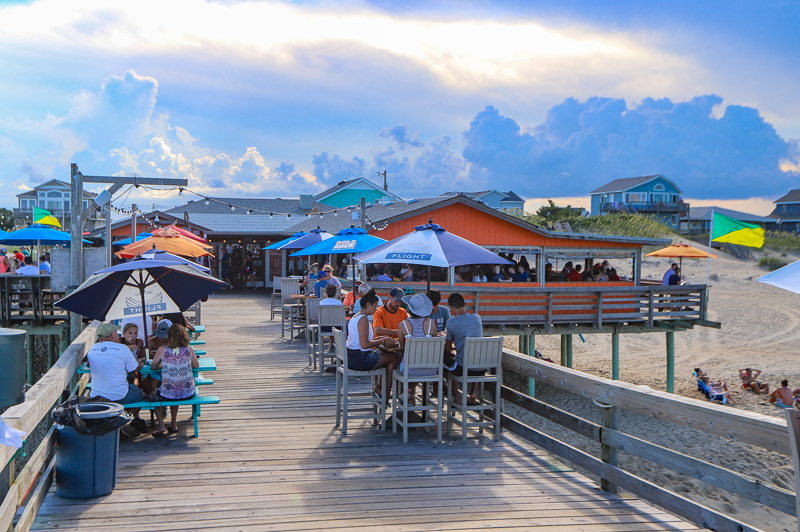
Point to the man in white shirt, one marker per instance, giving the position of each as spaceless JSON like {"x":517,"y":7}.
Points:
{"x":29,"y":268}
{"x":111,"y":361}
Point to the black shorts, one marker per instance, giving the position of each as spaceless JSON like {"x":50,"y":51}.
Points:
{"x":459,"y":372}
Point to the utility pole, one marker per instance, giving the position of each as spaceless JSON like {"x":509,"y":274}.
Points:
{"x":133,"y":223}
{"x":385,"y":184}
{"x":79,"y":215}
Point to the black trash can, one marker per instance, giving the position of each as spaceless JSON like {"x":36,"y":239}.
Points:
{"x":87,"y":443}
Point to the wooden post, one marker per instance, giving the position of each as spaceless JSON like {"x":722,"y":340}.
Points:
{"x":670,"y":360}
{"x":30,"y":343}
{"x":569,"y":349}
{"x":793,"y":423}
{"x":532,"y":352}
{"x":615,"y":356}
{"x":608,"y":454}
{"x":563,"y":351}
{"x":51,"y":350}
{"x":76,"y":244}
{"x":63,"y":343}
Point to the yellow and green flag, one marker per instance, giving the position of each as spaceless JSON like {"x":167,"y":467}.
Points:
{"x":44,"y":217}
{"x":732,"y":231}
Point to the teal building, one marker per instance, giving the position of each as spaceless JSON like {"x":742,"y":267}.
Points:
{"x":350,"y":192}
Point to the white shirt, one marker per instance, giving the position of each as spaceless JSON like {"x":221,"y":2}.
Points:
{"x":330,"y":302}
{"x":110,"y":363}
{"x":353,"y":340}
{"x":28,"y":269}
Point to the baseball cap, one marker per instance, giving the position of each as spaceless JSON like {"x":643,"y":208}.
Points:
{"x":162,"y":329}
{"x":397,"y":294}
{"x":105,"y":330}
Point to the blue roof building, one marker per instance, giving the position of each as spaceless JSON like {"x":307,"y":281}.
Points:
{"x":653,"y":195}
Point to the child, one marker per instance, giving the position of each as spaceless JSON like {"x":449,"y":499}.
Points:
{"x":130,"y":336}
{"x":177,"y":380}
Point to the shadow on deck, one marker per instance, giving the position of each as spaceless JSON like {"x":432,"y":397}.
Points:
{"x":269,"y":458}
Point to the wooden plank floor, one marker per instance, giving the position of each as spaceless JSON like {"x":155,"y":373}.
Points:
{"x":268,"y":458}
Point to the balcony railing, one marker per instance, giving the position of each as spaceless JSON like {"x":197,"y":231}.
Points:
{"x":632,"y":207}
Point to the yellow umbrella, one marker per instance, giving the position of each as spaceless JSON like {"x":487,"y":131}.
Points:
{"x":166,"y":240}
{"x":681,"y":250}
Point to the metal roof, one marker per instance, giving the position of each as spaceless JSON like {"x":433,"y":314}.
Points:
{"x":792,"y":197}
{"x":625,"y":183}
{"x":241,"y":224}
{"x":704,"y":213}
{"x":222,"y":206}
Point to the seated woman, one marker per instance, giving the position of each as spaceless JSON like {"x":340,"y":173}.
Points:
{"x":361,"y":343}
{"x":417,"y":325}
{"x":700,"y":375}
{"x":176,"y":360}
{"x":479,"y":277}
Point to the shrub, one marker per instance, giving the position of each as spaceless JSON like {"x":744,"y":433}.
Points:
{"x":782,"y":241}
{"x":771,"y":263}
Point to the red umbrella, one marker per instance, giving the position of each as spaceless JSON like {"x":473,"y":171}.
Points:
{"x":183,"y":232}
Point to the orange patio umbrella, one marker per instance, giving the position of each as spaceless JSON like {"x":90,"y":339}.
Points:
{"x":169,"y":241}
{"x":183,"y":232}
{"x":681,"y":250}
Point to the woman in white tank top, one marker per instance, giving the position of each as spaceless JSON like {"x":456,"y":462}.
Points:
{"x":361,"y":342}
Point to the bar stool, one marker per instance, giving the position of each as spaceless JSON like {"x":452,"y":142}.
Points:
{"x":367,"y":404}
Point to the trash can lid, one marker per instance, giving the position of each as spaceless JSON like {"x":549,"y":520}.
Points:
{"x":99,"y":410}
{"x":10,"y":332}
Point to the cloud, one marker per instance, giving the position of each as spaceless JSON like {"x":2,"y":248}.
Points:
{"x":582,"y":145}
{"x":402,"y":136}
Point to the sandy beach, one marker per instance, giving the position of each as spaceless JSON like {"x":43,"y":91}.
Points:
{"x":760,"y":329}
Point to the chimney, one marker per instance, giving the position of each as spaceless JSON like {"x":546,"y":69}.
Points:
{"x":306,"y":202}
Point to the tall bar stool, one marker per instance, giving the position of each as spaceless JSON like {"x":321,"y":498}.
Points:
{"x":357,"y":405}
{"x":330,"y":317}
{"x":422,"y":364}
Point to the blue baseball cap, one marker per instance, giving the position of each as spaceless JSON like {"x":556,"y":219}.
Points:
{"x":397,"y":294}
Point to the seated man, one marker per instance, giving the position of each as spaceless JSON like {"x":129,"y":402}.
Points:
{"x":386,"y":276}
{"x":44,"y":266}
{"x":363,"y":288}
{"x":784,"y":396}
{"x":749,"y":378}
{"x":29,"y":268}
{"x":330,"y":299}
{"x":159,"y":338}
{"x":386,"y":320}
{"x":111,"y":361}
{"x":440,"y":314}
{"x":462,"y":325}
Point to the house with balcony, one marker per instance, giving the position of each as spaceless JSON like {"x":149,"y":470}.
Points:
{"x":654,"y":195}
{"x":786,"y":214}
{"x":507,"y":202}
{"x":53,"y":195}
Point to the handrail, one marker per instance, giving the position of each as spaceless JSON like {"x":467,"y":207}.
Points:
{"x":767,"y":432}
{"x":26,"y":416}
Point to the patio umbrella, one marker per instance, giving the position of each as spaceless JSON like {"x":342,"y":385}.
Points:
{"x":316,"y":235}
{"x":279,"y":244}
{"x":170,"y":241}
{"x":787,"y":277}
{"x":347,"y":241}
{"x":183,"y":232}
{"x":126,"y":241}
{"x":139,"y":287}
{"x":430,"y":245}
{"x":160,"y":254}
{"x":681,"y":250}
{"x":37,"y":235}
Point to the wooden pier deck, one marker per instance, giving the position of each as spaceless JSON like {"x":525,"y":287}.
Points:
{"x":268,"y":458}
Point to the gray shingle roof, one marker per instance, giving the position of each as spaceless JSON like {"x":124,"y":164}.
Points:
{"x":704,"y":213}
{"x":792,"y":197}
{"x":267,"y":205}
{"x":624,"y":183}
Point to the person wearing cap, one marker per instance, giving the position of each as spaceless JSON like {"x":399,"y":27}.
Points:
{"x":111,"y":361}
{"x":159,"y":337}
{"x":5,"y":264}
{"x":387,"y":318}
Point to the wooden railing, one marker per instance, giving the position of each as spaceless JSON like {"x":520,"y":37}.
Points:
{"x":587,"y":304}
{"x":40,"y":400}
{"x":732,"y":424}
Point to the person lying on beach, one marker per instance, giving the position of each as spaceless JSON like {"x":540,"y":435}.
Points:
{"x":784,"y":396}
{"x":749,"y":376}
{"x":700,"y":375}
{"x":714,"y":393}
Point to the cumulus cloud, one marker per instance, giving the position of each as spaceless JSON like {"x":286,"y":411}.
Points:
{"x":402,"y":136}
{"x":583,"y":144}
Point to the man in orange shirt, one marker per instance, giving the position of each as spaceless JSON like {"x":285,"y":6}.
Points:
{"x":386,"y":320}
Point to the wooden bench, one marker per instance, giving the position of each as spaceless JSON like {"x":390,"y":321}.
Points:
{"x":196,"y":402}
{"x":197,"y":342}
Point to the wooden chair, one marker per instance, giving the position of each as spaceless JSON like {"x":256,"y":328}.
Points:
{"x":367,"y":404}
{"x":479,"y":353}
{"x":312,"y":329}
{"x":290,"y":308}
{"x":329,"y":316}
{"x":275,"y":300}
{"x":422,"y":363}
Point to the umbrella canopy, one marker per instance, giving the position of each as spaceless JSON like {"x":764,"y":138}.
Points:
{"x":279,"y":244}
{"x":160,"y":254}
{"x":36,"y":234}
{"x":140,"y":287}
{"x":126,"y":241}
{"x":183,"y":232}
{"x":350,"y":240}
{"x":316,"y":235}
{"x":430,"y":245}
{"x":170,"y":241}
{"x":681,"y":250}
{"x":787,"y":277}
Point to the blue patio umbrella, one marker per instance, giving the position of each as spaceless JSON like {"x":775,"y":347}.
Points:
{"x":787,"y":278}
{"x":160,"y":254}
{"x":126,"y":241}
{"x":347,"y":241}
{"x":140,"y":287}
{"x":430,"y":245}
{"x":36,"y":234}
{"x":277,"y":245}
{"x":314,"y":236}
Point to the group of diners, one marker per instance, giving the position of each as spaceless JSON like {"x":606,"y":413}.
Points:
{"x":116,"y":360}
{"x":376,"y":326}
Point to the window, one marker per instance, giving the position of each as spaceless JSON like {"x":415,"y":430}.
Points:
{"x":27,"y":203}
{"x":636,"y":197}
{"x":659,"y":187}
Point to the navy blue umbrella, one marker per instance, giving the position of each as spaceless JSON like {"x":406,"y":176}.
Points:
{"x":140,"y":287}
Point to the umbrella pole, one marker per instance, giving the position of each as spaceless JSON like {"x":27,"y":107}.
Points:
{"x":428,"y":276}
{"x":353,"y":268}
{"x":144,"y":313}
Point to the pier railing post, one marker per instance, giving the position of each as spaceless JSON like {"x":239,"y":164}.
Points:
{"x":615,"y":356}
{"x":670,"y":361}
{"x":608,"y":454}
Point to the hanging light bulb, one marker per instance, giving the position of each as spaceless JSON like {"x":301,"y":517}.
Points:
{"x":233,"y":208}
{"x":320,"y":216}
{"x":288,"y":216}
{"x":335,"y":213}
{"x":207,"y":202}
{"x":270,"y":216}
{"x":249,"y":211}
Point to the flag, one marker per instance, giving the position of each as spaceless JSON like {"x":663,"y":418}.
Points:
{"x":731,"y":231}
{"x":44,"y":217}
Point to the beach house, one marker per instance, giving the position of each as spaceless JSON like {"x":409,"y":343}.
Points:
{"x":350,"y":192}
{"x":53,"y":195}
{"x":698,"y":219}
{"x":508,"y":202}
{"x":786,"y":214}
{"x":651,"y":194}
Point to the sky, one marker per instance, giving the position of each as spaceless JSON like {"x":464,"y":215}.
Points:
{"x":274,"y":99}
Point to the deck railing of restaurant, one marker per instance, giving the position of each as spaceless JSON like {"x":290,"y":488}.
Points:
{"x":30,"y":486}
{"x":730,"y":424}
{"x":590,"y":304}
